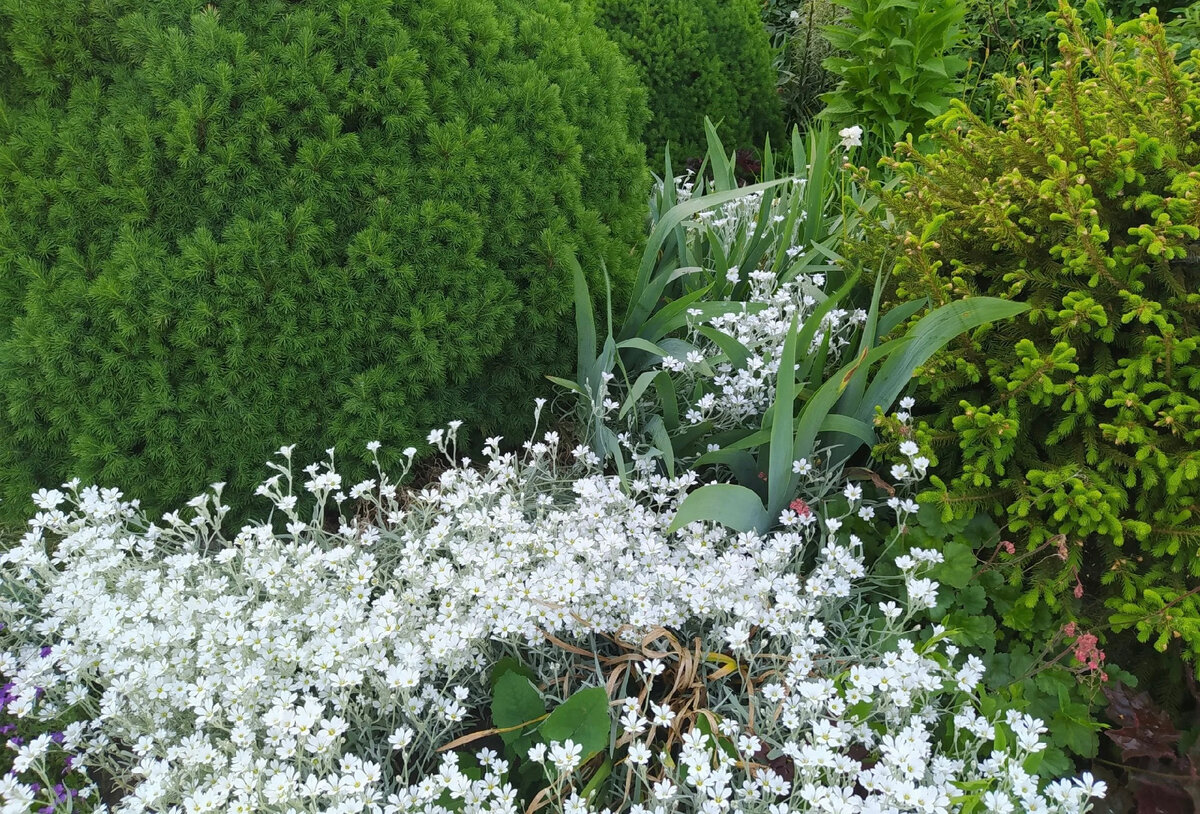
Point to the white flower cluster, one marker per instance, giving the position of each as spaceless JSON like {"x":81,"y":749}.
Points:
{"x":736,"y":394}
{"x":802,"y":751}
{"x":742,"y":392}
{"x":303,"y":670}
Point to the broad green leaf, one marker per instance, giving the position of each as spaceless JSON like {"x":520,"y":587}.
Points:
{"x":741,"y":463}
{"x":845,"y":425}
{"x":665,"y":387}
{"x":510,"y":665}
{"x":898,"y":315}
{"x":570,"y":385}
{"x":599,"y":777}
{"x":693,"y":434}
{"x":733,"y":506}
{"x":635,"y":392}
{"x":585,"y":321}
{"x":613,"y":447}
{"x":734,"y":351}
{"x":722,"y":169}
{"x":662,"y":441}
{"x":582,"y":718}
{"x":812,"y":324}
{"x":642,"y":344}
{"x":515,"y":701}
{"x":958,"y":566}
{"x":858,"y":383}
{"x":594,"y":381}
{"x":821,"y":404}
{"x":750,"y":441}
{"x":644,"y":297}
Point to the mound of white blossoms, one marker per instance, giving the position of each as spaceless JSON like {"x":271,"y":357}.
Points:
{"x":290,"y":669}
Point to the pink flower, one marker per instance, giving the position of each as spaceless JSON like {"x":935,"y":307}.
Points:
{"x":800,"y":507}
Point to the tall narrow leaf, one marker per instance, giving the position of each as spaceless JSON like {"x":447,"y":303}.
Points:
{"x":780,"y":460}
{"x":585,"y":321}
{"x":644,"y":297}
{"x":929,"y":335}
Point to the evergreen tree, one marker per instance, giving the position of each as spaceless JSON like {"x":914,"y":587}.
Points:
{"x":227,"y":227}
{"x":699,"y":58}
{"x":1080,"y":421}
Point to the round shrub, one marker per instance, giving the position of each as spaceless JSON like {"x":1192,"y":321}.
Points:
{"x":699,"y":58}
{"x":228,"y":227}
{"x":1081,"y":420}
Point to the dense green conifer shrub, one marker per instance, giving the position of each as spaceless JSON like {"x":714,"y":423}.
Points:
{"x":229,"y":226}
{"x":699,"y":58}
{"x":1081,"y":419}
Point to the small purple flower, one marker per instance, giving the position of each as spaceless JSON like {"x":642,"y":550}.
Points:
{"x":35,"y":787}
{"x":16,"y":742}
{"x":4,"y":730}
{"x":38,"y":692}
{"x":45,"y":651}
{"x":58,"y":737}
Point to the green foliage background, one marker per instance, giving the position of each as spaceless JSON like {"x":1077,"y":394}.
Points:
{"x":1078,"y":424}
{"x":898,"y":64}
{"x":228,"y":227}
{"x":699,"y":58}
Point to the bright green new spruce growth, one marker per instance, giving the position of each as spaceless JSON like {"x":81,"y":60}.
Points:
{"x":228,"y":227}
{"x":1081,"y":419}
{"x":699,"y":58}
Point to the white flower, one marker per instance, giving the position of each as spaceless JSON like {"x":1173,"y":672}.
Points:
{"x":401,"y":738}
{"x":250,"y":667}
{"x":566,"y":755}
{"x":851,"y":136}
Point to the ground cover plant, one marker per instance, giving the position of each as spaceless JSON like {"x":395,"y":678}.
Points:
{"x":698,"y":58}
{"x":1077,"y":423}
{"x":358,"y":653}
{"x":532,"y":629}
{"x":226,"y":227}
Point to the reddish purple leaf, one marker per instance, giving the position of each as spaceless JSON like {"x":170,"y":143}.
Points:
{"x":1145,"y":729}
